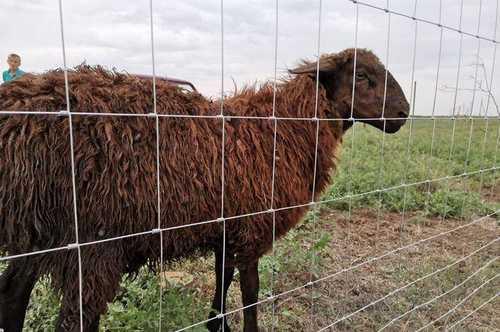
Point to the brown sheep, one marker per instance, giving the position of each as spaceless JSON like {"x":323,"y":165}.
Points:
{"x":115,"y":167}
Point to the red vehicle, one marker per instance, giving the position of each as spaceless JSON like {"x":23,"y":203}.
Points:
{"x":175,"y":81}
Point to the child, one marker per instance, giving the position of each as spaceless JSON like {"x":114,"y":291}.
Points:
{"x":14,"y":61}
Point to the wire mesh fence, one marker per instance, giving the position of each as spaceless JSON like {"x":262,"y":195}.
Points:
{"x":403,"y":236}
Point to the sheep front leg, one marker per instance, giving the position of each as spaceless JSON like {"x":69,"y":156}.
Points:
{"x":102,"y":269}
{"x":214,"y":325}
{"x":16,"y":284}
{"x":249,"y":285}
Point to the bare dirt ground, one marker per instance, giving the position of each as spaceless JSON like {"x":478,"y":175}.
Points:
{"x":348,"y":285}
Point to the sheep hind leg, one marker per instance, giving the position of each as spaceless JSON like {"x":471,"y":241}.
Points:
{"x":16,"y":284}
{"x":214,"y":324}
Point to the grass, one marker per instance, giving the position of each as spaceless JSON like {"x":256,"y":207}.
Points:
{"x":409,"y":159}
{"x":348,"y":229}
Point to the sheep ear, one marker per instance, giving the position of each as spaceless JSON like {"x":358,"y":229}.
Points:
{"x":311,"y":68}
{"x":328,"y":63}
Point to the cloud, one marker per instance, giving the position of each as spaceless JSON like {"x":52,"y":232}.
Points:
{"x":187,"y":37}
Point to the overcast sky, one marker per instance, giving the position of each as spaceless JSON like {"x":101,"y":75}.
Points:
{"x":116,"y":33}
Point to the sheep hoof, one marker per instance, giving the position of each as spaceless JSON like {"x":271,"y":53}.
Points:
{"x":215,"y":325}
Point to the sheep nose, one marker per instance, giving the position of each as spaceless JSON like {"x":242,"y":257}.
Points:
{"x":403,"y":108}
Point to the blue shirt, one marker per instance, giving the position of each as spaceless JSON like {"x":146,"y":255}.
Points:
{"x":7,"y":75}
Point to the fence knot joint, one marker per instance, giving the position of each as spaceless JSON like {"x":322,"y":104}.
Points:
{"x":72,"y":246}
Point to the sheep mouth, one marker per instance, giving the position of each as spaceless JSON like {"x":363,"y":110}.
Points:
{"x":388,"y":126}
{"x":393,"y":126}
{"x":400,"y":115}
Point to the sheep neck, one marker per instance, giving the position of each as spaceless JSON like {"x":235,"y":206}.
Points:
{"x":296,"y":142}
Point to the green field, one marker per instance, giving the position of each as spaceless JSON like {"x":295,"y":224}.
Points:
{"x":367,"y":211}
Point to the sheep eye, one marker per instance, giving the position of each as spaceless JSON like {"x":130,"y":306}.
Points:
{"x":361,"y":76}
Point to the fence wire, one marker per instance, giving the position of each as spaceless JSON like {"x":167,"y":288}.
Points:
{"x":72,"y":158}
{"x":397,"y":290}
{"x":315,"y":204}
{"x":491,"y":299}
{"x":252,"y":214}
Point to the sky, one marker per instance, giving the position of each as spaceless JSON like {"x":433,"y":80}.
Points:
{"x":188,"y":42}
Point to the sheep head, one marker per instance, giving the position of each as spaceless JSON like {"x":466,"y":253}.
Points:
{"x":336,"y":75}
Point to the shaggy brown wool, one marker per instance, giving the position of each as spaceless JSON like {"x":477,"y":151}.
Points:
{"x":115,"y":159}
{"x":115,"y":171}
